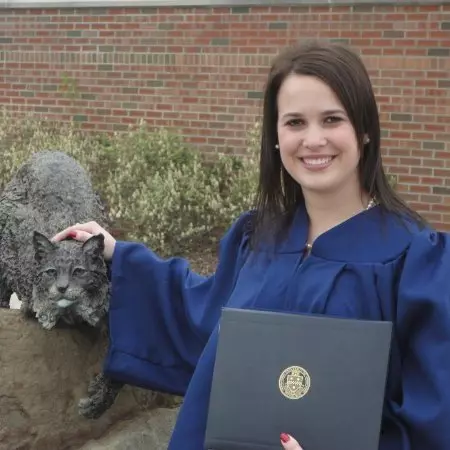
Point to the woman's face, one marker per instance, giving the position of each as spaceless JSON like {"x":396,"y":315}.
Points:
{"x":317,"y":142}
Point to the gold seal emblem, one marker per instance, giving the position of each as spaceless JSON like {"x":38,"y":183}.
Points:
{"x":294,"y":382}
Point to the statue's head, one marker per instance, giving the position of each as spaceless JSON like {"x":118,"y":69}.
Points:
{"x":71,"y":281}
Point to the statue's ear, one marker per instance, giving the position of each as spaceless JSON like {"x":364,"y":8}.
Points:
{"x":42,"y":246}
{"x":94,"y":246}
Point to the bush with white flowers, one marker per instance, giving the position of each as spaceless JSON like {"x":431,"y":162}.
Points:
{"x":157,"y":188}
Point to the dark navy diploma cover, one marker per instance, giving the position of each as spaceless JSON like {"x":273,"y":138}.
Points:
{"x":321,"y":379}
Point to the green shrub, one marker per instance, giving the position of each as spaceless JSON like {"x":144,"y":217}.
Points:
{"x":393,"y":181}
{"x":158,"y":189}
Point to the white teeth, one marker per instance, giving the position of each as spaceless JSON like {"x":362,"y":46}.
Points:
{"x":317,"y":161}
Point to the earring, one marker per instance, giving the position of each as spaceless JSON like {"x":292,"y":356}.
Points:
{"x":277,"y":146}
{"x":366,"y":140}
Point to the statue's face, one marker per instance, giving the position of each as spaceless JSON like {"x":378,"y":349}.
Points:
{"x":71,"y":282}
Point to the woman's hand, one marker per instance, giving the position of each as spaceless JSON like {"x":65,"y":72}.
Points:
{"x":83,"y":231}
{"x":289,"y":443}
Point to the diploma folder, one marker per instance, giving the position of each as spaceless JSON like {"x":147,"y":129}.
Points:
{"x":320,"y":379}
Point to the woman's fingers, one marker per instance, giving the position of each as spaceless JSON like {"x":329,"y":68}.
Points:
{"x":89,"y":227}
{"x":289,"y":443}
{"x":83,"y":231}
{"x":81,"y":236}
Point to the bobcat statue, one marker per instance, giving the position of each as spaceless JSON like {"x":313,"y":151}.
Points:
{"x":58,"y":283}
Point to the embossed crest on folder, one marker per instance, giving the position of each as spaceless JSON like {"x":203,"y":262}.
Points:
{"x":294,"y":382}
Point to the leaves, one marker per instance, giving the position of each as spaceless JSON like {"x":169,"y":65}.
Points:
{"x":158,"y":190}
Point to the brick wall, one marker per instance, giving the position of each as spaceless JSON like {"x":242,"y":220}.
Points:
{"x":201,"y":71}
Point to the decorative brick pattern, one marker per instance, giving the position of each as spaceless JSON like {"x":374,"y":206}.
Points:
{"x":201,"y":71}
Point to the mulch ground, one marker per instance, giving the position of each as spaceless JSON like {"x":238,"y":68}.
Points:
{"x":203,"y":262}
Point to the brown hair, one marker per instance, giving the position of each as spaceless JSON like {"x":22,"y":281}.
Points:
{"x":279,"y":195}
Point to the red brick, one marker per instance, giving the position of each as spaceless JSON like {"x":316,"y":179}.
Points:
{"x":420,"y":189}
{"x":204,"y":90}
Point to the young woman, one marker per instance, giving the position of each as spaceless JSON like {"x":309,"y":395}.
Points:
{"x":328,"y":235}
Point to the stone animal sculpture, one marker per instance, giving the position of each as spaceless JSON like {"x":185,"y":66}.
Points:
{"x":58,"y":283}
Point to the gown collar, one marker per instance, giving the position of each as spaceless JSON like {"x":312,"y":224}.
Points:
{"x":374,"y":235}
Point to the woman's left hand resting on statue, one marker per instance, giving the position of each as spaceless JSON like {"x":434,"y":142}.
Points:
{"x":83,"y":231}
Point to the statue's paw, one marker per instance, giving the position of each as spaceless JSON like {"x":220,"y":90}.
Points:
{"x":95,"y":385}
{"x":102,"y":392}
{"x":91,"y":408}
{"x":94,"y":319}
{"x":26,"y":310}
{"x":47,"y":324}
{"x":4,"y":303}
{"x":47,"y":319}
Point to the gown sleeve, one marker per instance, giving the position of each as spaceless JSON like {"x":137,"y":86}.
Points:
{"x":423,"y":327}
{"x":162,"y":313}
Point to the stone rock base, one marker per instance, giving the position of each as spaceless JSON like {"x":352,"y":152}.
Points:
{"x":43,"y":374}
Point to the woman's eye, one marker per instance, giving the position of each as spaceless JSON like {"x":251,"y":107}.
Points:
{"x":293,"y":122}
{"x":78,"y":271}
{"x":51,"y":272}
{"x":332,"y":119}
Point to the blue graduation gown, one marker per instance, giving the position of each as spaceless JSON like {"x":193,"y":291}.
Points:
{"x":163,"y":316}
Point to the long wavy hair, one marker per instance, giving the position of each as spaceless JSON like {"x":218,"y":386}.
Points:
{"x":278,"y":194}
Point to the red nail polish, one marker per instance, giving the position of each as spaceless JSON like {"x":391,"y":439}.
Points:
{"x":284,"y":437}
{"x":72,"y":234}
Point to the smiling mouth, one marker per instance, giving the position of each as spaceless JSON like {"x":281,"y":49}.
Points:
{"x":317,"y":162}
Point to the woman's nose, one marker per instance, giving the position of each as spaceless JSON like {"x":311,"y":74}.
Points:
{"x":314,"y":138}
